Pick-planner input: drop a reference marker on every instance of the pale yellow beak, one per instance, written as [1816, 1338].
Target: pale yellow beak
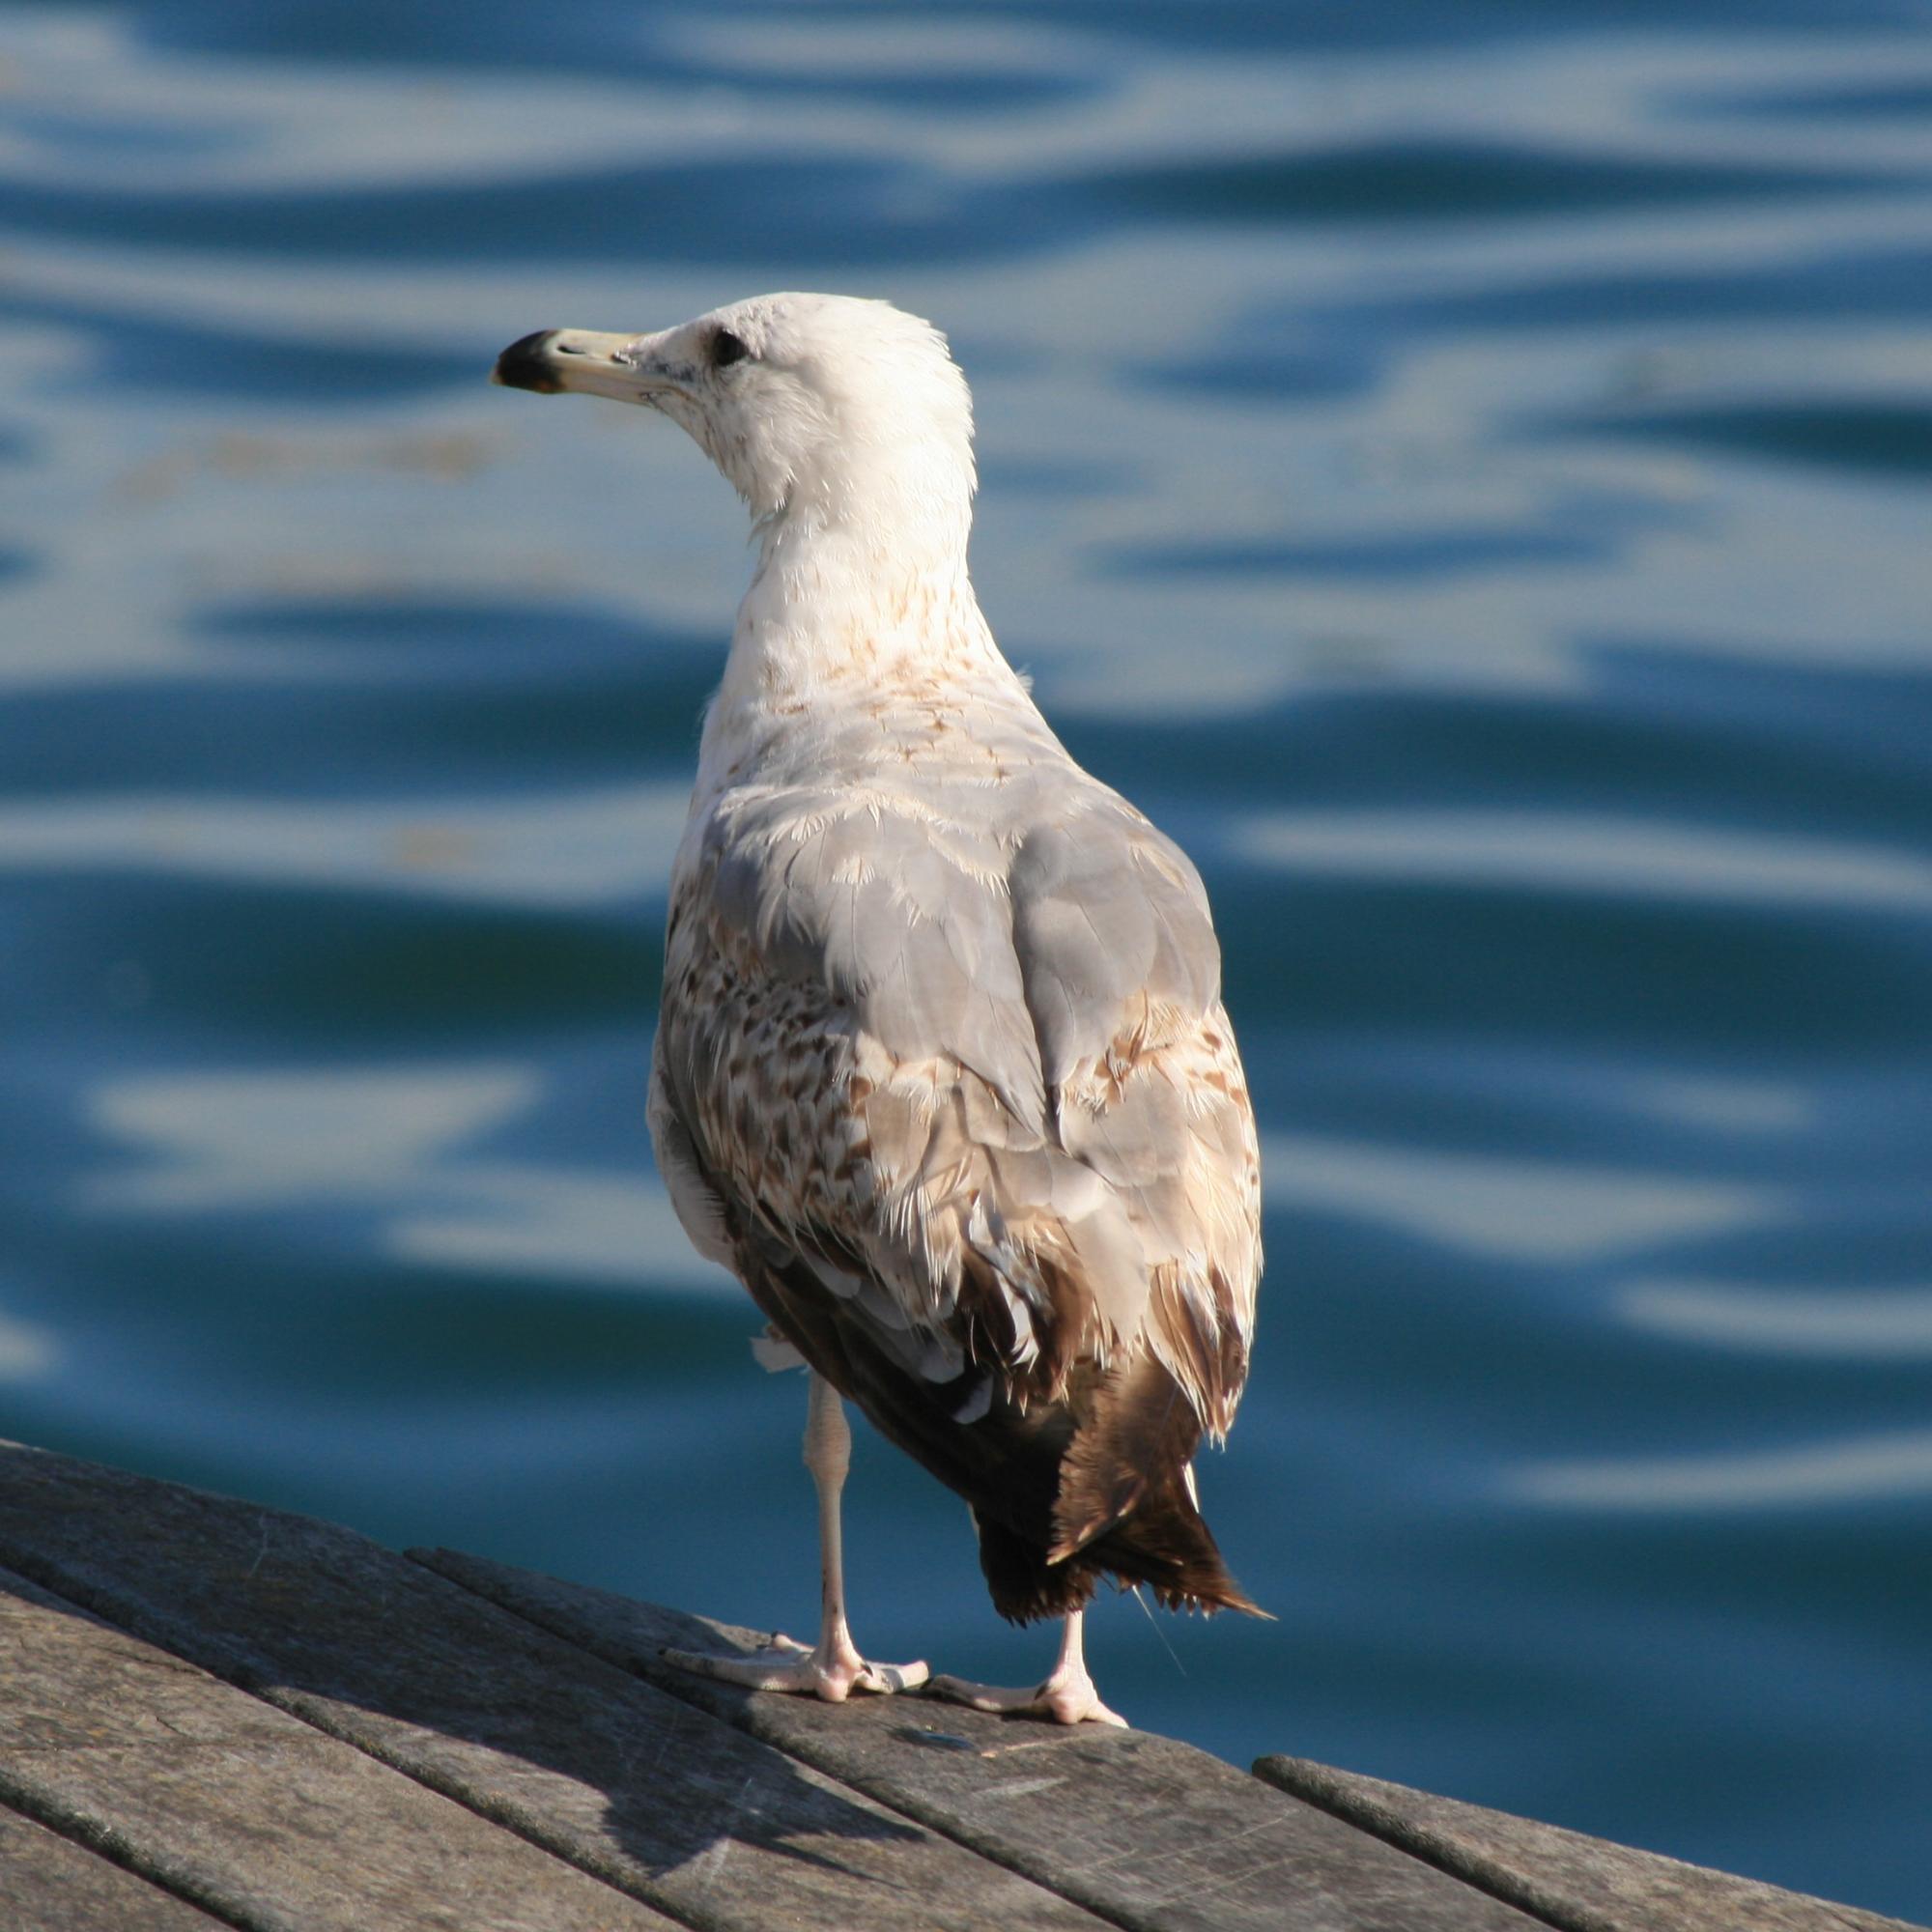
[626, 368]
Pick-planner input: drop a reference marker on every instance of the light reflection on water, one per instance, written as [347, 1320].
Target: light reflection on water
[1889, 1324]
[27, 1352]
[1510, 1208]
[1862, 1470]
[547, 852]
[1467, 476]
[1592, 856]
[396, 1145]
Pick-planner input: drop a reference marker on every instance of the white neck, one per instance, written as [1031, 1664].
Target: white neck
[840, 611]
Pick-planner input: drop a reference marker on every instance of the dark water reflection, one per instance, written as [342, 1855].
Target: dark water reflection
[1463, 468]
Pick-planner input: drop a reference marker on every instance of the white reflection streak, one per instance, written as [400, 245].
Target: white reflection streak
[593, 849]
[523, 1218]
[1871, 1468]
[391, 1141]
[1883, 1324]
[1588, 854]
[272, 1139]
[1516, 1209]
[1734, 1106]
[27, 1352]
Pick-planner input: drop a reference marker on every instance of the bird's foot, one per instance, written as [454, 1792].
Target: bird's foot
[1067, 1698]
[833, 1671]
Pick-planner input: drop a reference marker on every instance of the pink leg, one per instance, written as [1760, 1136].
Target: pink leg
[834, 1669]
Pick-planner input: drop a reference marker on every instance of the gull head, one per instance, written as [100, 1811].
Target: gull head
[820, 411]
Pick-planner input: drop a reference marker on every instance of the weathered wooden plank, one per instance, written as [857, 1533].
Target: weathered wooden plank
[634, 1786]
[1578, 1883]
[48, 1884]
[242, 1809]
[1151, 1834]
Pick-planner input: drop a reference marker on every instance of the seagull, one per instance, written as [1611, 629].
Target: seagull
[941, 1071]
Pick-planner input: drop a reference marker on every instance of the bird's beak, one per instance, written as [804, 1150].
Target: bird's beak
[627, 368]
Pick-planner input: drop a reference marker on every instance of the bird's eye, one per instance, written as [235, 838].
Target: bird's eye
[727, 348]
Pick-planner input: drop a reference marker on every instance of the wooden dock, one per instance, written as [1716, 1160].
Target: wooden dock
[213, 1714]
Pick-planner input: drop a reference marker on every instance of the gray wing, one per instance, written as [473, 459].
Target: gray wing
[1108, 914]
[1122, 977]
[897, 911]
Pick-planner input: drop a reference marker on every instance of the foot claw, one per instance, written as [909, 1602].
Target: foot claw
[1066, 1700]
[785, 1666]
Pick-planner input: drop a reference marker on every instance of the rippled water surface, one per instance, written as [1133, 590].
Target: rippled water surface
[1466, 470]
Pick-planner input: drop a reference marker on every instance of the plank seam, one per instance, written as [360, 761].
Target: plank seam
[115, 1612]
[101, 1841]
[1524, 1889]
[1444, 1857]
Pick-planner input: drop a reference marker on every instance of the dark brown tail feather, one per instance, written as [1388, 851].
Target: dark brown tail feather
[1138, 1437]
[1123, 1503]
[1166, 1545]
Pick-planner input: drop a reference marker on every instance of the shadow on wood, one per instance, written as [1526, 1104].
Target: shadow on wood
[627, 1785]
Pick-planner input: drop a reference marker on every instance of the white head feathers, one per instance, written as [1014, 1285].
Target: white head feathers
[825, 412]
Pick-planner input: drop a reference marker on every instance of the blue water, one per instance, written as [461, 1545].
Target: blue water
[1466, 469]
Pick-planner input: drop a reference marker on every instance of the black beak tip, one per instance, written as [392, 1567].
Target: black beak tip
[524, 365]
